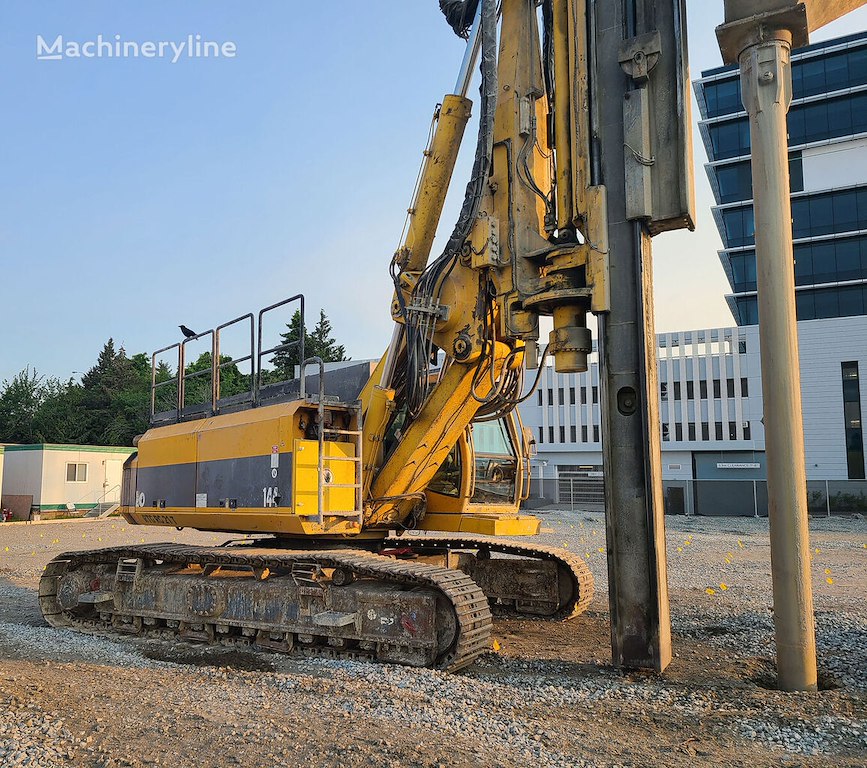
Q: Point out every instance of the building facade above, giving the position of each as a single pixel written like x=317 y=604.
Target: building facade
x=47 y=479
x=711 y=410
x=827 y=126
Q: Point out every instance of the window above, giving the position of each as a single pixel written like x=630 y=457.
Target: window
x=690 y=433
x=678 y=431
x=541 y=435
x=573 y=436
x=748 y=310
x=584 y=433
x=705 y=431
x=595 y=433
x=560 y=396
x=677 y=390
x=551 y=399
x=539 y=393
x=550 y=434
x=690 y=390
x=718 y=430
x=852 y=421
x=733 y=431
x=562 y=434
x=730 y=387
x=735 y=180
x=447 y=479
x=665 y=434
x=663 y=391
x=746 y=427
x=723 y=97
x=745 y=388
x=583 y=395
x=571 y=395
x=702 y=389
x=717 y=392
x=76 y=473
x=595 y=395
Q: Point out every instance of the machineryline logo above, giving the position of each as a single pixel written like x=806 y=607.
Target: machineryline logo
x=193 y=47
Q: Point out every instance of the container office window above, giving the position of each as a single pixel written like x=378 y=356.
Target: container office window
x=666 y=436
x=730 y=387
x=746 y=426
x=571 y=395
x=733 y=431
x=76 y=473
x=717 y=389
x=573 y=434
x=745 y=388
x=550 y=434
x=584 y=433
x=583 y=395
x=595 y=433
x=540 y=396
x=551 y=399
x=541 y=435
x=690 y=390
x=852 y=421
x=677 y=390
x=562 y=434
x=705 y=431
x=595 y=395
x=678 y=431
x=690 y=432
x=718 y=430
x=702 y=389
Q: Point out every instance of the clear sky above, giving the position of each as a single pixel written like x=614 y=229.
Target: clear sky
x=139 y=194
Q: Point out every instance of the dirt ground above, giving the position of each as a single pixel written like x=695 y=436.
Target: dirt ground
x=547 y=697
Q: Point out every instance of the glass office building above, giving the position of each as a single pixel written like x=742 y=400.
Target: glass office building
x=828 y=161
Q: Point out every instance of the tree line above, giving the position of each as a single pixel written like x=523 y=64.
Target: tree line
x=111 y=404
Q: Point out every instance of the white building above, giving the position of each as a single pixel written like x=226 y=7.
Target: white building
x=711 y=414
x=53 y=479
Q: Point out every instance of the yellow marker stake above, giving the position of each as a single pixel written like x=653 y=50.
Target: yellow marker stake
x=723 y=587
x=829 y=580
x=710 y=591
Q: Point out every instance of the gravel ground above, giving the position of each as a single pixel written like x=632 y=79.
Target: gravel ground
x=546 y=697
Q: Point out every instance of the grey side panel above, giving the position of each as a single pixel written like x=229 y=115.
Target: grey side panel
x=251 y=482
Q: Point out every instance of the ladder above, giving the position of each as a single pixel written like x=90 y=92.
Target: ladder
x=357 y=434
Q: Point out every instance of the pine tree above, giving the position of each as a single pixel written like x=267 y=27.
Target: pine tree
x=318 y=343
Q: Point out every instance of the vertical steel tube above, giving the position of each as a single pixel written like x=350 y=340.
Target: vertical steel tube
x=562 y=115
x=471 y=56
x=766 y=84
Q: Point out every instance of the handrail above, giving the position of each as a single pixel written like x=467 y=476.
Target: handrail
x=235 y=361
x=99 y=499
x=256 y=354
x=197 y=374
x=280 y=347
x=155 y=384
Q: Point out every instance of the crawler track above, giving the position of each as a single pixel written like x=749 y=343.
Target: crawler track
x=89 y=592
x=576 y=580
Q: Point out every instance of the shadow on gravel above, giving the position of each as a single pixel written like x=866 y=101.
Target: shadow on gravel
x=208 y=657
x=20 y=606
x=765 y=676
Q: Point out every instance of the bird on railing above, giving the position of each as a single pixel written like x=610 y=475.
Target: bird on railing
x=187 y=332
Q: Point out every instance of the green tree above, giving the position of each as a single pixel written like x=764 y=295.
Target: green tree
x=20 y=400
x=318 y=343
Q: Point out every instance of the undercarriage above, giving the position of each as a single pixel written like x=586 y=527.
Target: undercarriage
x=419 y=600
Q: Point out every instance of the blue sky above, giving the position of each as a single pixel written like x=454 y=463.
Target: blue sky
x=141 y=194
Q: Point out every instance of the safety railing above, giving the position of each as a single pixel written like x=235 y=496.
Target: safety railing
x=188 y=393
x=286 y=347
x=205 y=401
x=223 y=361
x=158 y=388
